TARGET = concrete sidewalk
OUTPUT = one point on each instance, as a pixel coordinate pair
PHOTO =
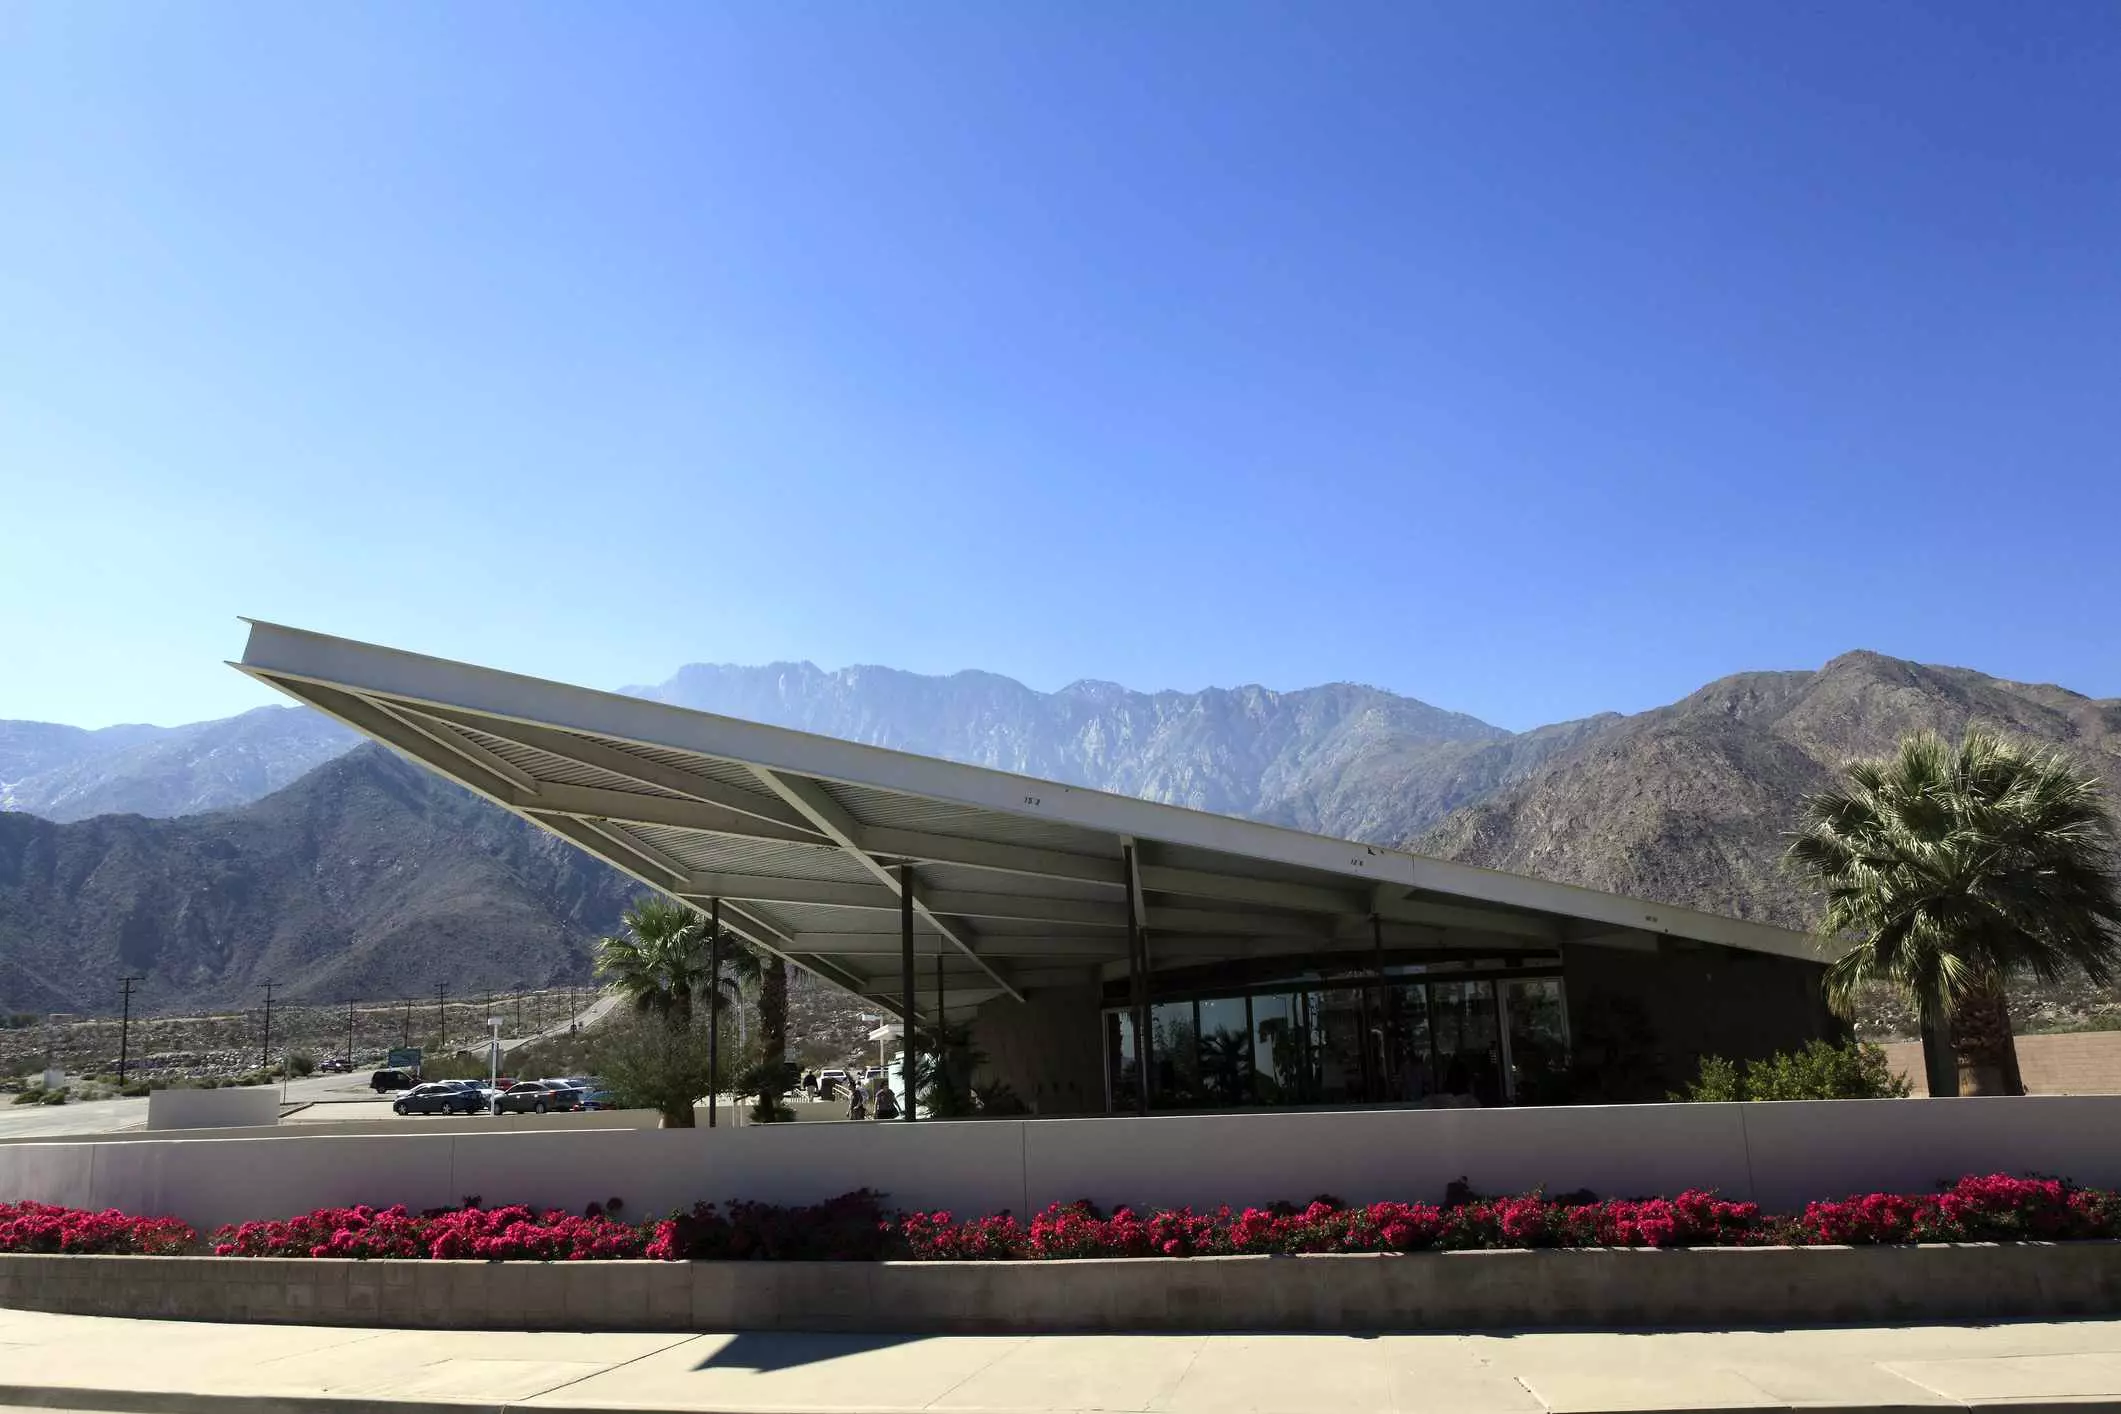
(160, 1367)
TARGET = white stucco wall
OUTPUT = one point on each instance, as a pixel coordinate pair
(1781, 1155)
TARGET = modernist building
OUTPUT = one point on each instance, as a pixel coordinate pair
(1265, 966)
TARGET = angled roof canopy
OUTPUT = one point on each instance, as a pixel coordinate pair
(1017, 883)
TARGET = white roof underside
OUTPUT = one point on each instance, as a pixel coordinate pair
(1017, 883)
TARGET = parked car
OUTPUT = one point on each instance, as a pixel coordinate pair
(384, 1080)
(538, 1096)
(445, 1097)
(337, 1065)
(599, 1099)
(834, 1080)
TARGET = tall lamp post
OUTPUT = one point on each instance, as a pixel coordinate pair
(493, 1067)
(125, 1025)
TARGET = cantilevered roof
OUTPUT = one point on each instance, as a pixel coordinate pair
(1017, 883)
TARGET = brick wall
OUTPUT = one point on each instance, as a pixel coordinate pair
(2079, 1063)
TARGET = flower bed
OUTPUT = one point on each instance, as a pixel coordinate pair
(857, 1227)
(40, 1227)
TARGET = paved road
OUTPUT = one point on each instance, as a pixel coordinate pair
(327, 1097)
(65, 1361)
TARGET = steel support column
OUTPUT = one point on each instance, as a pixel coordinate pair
(714, 1008)
(905, 940)
(1138, 977)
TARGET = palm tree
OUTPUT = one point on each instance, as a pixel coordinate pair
(772, 976)
(659, 959)
(1953, 869)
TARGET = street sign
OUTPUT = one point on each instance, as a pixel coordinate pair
(403, 1058)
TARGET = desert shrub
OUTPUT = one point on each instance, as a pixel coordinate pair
(1821, 1071)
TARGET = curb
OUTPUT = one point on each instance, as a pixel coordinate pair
(132, 1401)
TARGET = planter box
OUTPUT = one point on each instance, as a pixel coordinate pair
(1756, 1286)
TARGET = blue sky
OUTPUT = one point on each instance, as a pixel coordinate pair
(1532, 359)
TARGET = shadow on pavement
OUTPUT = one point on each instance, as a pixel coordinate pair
(784, 1350)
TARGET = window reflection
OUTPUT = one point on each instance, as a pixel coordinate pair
(1407, 1062)
(1338, 1024)
(1539, 1040)
(1225, 1051)
(1277, 1049)
(1400, 1038)
(1468, 1043)
(1175, 1054)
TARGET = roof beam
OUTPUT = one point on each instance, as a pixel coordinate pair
(818, 806)
(638, 769)
(764, 888)
(460, 745)
(622, 838)
(1267, 893)
(921, 847)
(630, 808)
(483, 773)
(1100, 947)
(1390, 902)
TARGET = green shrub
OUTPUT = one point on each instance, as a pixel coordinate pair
(302, 1064)
(32, 1096)
(52, 1097)
(1818, 1072)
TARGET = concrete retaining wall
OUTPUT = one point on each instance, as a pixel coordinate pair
(1780, 1155)
(1419, 1291)
(244, 1107)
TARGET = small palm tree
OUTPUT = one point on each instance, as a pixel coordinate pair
(1953, 869)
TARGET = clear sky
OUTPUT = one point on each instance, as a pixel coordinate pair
(1530, 358)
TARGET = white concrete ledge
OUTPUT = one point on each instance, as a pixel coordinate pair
(1780, 1155)
(1696, 1287)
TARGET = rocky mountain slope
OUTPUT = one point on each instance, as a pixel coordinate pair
(1690, 803)
(1339, 759)
(368, 878)
(66, 773)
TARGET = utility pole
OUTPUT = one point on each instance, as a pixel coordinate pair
(125, 1025)
(519, 1013)
(406, 1039)
(265, 1048)
(349, 1035)
(441, 1017)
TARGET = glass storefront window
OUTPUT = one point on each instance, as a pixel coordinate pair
(1539, 1040)
(1339, 1040)
(1468, 1043)
(1225, 1051)
(1122, 1076)
(1278, 1047)
(1175, 1056)
(1407, 1062)
(1409, 1037)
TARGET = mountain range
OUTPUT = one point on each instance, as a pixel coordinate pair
(276, 850)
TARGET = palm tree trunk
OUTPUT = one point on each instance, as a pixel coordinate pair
(773, 1025)
(1981, 1035)
(1940, 1064)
